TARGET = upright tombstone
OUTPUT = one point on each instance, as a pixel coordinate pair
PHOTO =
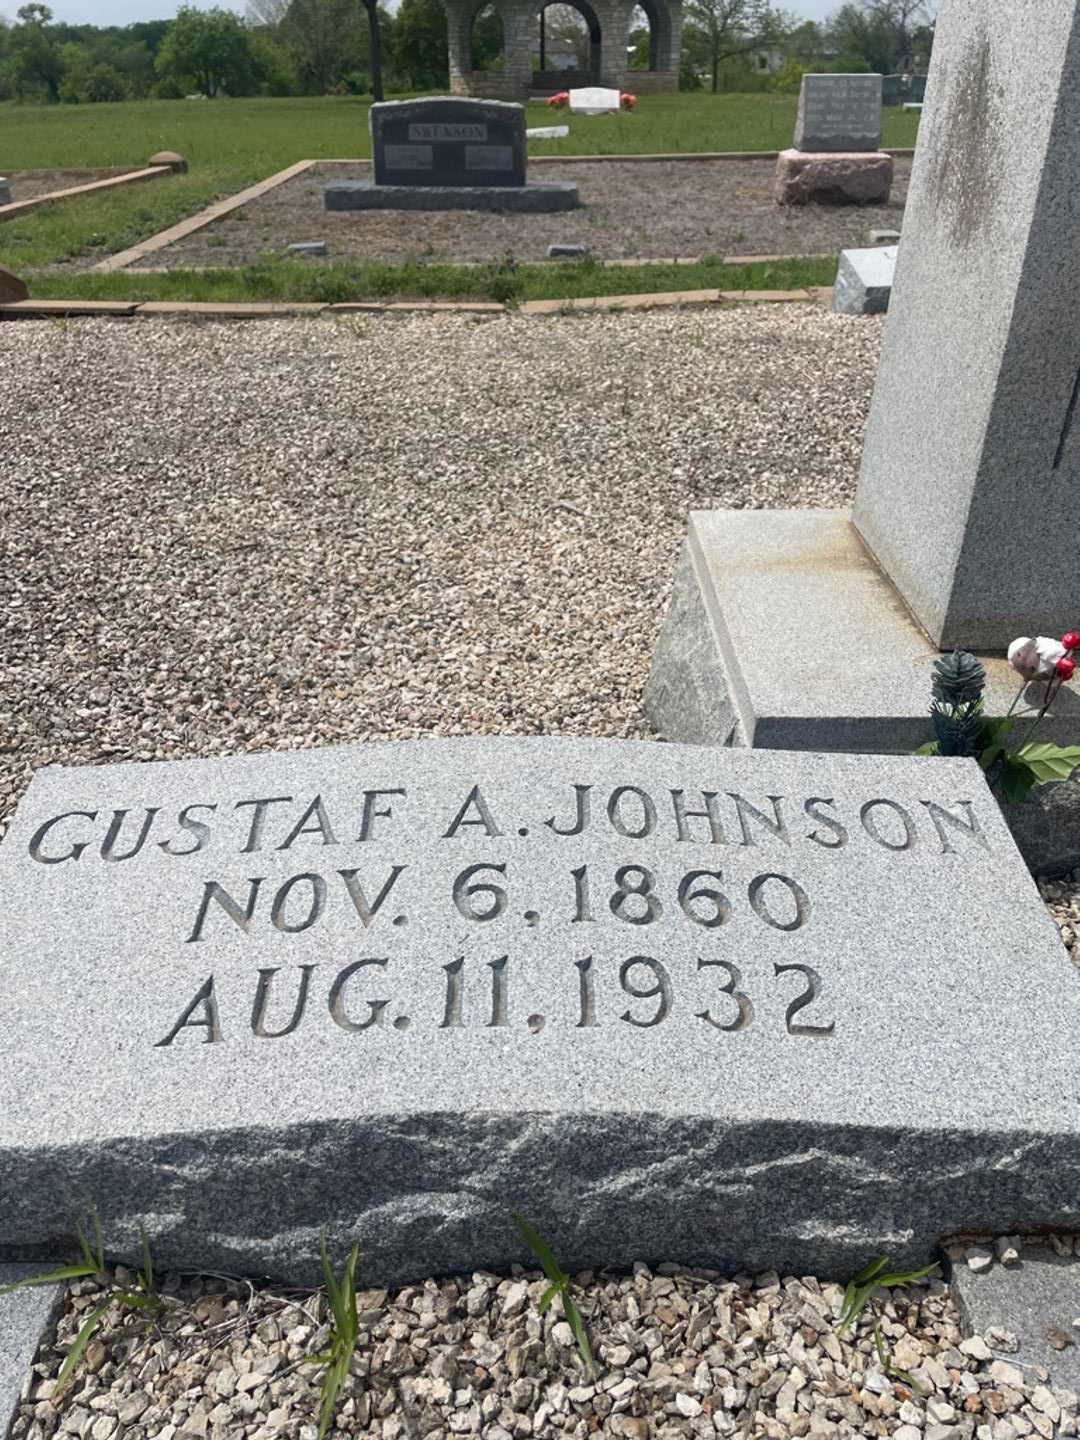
(5, 191)
(836, 157)
(649, 993)
(448, 153)
(971, 465)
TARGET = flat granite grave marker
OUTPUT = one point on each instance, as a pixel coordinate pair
(741, 1008)
(448, 153)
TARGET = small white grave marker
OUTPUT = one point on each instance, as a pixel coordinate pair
(593, 100)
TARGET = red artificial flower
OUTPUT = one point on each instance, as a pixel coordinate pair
(1066, 667)
(1071, 640)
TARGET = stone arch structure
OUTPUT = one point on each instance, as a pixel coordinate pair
(608, 22)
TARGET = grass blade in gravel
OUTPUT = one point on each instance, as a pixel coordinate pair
(81, 1341)
(560, 1286)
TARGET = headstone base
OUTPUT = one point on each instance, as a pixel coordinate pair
(528, 199)
(864, 280)
(840, 178)
(783, 634)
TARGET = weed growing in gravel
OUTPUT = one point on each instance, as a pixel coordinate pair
(343, 1337)
(560, 1285)
(857, 1297)
(142, 1297)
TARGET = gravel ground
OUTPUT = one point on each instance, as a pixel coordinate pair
(652, 209)
(222, 538)
(679, 1354)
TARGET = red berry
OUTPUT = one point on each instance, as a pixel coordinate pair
(1071, 640)
(1065, 668)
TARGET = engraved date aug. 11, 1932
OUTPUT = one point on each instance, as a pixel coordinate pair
(475, 1000)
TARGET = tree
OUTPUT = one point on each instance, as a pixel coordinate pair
(35, 62)
(899, 19)
(721, 28)
(421, 56)
(211, 49)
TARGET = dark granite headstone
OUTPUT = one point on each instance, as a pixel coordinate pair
(441, 141)
(891, 89)
(917, 90)
(838, 112)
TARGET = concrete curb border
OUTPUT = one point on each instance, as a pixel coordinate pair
(18, 208)
(123, 258)
(278, 310)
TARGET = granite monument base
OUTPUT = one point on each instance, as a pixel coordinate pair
(864, 280)
(783, 633)
(532, 198)
(833, 177)
(739, 1008)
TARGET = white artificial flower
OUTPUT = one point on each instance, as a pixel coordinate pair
(1050, 652)
(1024, 656)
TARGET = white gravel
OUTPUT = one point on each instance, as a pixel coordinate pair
(217, 538)
(681, 1355)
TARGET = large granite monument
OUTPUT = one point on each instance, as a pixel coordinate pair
(836, 158)
(971, 465)
(448, 153)
(747, 1009)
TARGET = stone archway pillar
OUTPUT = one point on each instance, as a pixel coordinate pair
(614, 17)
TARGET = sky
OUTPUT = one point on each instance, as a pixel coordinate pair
(125, 12)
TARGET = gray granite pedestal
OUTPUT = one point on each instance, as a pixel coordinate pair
(784, 634)
(532, 198)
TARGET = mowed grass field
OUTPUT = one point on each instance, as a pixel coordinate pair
(230, 144)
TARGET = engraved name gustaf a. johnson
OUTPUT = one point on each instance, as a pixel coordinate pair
(635, 894)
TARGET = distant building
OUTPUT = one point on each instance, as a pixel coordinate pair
(768, 60)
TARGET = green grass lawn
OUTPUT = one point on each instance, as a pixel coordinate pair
(232, 143)
(301, 280)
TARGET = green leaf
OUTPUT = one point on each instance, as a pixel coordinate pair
(555, 1288)
(1049, 762)
(333, 1294)
(74, 1355)
(67, 1272)
(540, 1248)
(906, 1376)
(930, 748)
(871, 1271)
(1016, 782)
(137, 1299)
(904, 1277)
(989, 755)
(577, 1325)
(995, 732)
(331, 1388)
